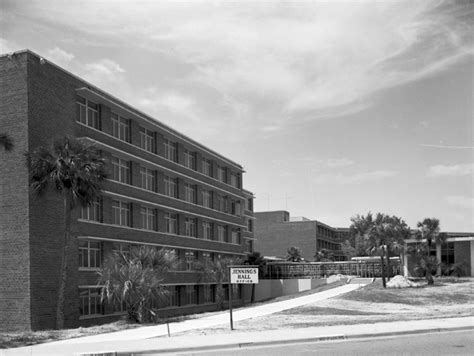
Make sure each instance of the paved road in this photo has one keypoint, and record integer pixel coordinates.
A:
(444, 343)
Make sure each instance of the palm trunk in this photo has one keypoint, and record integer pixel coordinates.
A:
(389, 267)
(438, 258)
(63, 271)
(382, 268)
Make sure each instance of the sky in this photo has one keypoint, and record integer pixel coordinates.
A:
(332, 108)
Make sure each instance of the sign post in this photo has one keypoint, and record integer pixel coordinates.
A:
(240, 275)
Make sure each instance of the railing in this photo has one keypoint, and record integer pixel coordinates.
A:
(314, 270)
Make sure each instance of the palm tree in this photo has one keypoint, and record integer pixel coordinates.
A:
(6, 142)
(429, 229)
(75, 170)
(255, 259)
(293, 254)
(135, 279)
(324, 255)
(217, 271)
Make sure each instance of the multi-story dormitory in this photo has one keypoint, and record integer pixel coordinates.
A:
(164, 189)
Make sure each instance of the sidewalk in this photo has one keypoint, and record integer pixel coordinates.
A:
(242, 339)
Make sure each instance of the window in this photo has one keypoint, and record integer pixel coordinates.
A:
(189, 257)
(88, 113)
(208, 293)
(190, 159)
(207, 230)
(207, 257)
(147, 140)
(171, 151)
(249, 225)
(171, 187)
(221, 233)
(89, 302)
(236, 291)
(190, 193)
(221, 174)
(120, 170)
(174, 296)
(207, 199)
(148, 217)
(92, 212)
(121, 213)
(222, 203)
(249, 206)
(121, 248)
(235, 207)
(190, 227)
(235, 236)
(148, 179)
(120, 127)
(191, 295)
(89, 254)
(171, 223)
(235, 180)
(206, 167)
(249, 245)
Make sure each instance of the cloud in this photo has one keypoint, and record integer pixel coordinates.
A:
(7, 46)
(339, 162)
(59, 56)
(456, 170)
(293, 61)
(448, 147)
(357, 178)
(460, 201)
(104, 68)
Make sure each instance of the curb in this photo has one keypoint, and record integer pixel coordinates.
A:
(238, 345)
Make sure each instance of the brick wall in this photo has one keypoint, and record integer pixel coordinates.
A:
(14, 209)
(274, 235)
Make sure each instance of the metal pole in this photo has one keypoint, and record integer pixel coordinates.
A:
(230, 304)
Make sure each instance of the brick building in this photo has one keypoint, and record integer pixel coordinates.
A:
(275, 232)
(164, 189)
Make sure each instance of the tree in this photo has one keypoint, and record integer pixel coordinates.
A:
(396, 233)
(6, 142)
(429, 229)
(324, 255)
(135, 279)
(76, 171)
(217, 271)
(255, 259)
(293, 254)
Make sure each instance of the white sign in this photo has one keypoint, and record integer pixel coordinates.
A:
(243, 275)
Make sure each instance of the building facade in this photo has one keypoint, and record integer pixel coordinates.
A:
(276, 231)
(457, 255)
(164, 190)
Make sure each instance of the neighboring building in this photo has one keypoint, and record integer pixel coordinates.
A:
(275, 232)
(164, 189)
(457, 250)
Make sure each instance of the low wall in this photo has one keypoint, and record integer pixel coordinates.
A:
(272, 288)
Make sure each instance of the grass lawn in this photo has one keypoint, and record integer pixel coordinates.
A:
(370, 304)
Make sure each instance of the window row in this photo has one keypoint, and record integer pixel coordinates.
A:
(89, 113)
(149, 218)
(90, 303)
(328, 245)
(151, 180)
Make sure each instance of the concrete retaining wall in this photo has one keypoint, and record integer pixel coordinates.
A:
(272, 288)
